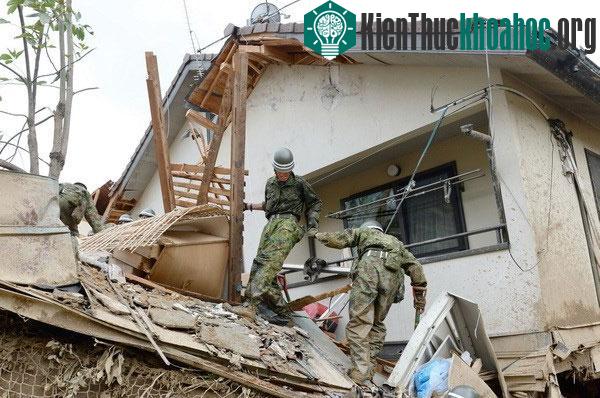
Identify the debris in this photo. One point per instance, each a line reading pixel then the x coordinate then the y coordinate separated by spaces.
pixel 232 337
pixel 110 303
pixel 302 302
pixel 172 319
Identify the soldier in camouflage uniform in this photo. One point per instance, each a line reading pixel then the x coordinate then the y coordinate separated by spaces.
pixel 377 283
pixel 76 203
pixel 287 198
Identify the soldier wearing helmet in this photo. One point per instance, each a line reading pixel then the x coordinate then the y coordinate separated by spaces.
pixel 75 203
pixel 147 213
pixel 377 283
pixel 124 219
pixel 287 198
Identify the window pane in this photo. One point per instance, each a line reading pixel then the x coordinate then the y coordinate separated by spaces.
pixel 428 216
pixel 381 212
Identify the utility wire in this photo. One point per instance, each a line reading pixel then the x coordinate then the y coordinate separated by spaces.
pixel 262 19
pixel 411 182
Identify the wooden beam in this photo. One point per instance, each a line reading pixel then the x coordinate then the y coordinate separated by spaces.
pixel 215 144
pixel 198 168
pixel 217 77
pixel 238 156
pixel 186 185
pixel 226 68
pixel 197 117
pixel 184 203
pixel 219 202
pixel 161 148
pixel 271 52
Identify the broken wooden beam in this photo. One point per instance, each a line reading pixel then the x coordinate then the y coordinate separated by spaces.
pixel 298 304
pixel 161 147
pixel 238 156
pixel 215 144
pixel 197 117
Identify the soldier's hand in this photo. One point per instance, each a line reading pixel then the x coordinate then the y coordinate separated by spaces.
pixel 247 206
pixel 419 293
pixel 312 232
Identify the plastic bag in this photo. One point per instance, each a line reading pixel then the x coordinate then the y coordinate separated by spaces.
pixel 432 377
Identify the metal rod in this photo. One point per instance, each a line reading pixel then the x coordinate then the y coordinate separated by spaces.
pixel 425 242
pixel 401 192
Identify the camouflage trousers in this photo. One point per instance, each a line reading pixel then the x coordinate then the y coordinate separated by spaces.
pixel 277 240
pixel 70 215
pixel 374 288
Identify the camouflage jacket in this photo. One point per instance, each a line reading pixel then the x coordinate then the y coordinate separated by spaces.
pixel 75 204
pixel 291 197
pixel 365 239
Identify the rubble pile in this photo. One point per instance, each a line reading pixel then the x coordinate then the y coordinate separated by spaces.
pixel 40 361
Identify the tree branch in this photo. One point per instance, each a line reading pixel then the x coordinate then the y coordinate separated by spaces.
pixel 13 71
pixel 24 129
pixel 74 62
pixel 85 89
pixel 13 114
pixel 23 149
pixel 10 166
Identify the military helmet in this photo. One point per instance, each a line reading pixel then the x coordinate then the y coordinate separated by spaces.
pixel 372 224
pixel 147 213
pixel 125 218
pixel 283 160
pixel 81 184
pixel 463 392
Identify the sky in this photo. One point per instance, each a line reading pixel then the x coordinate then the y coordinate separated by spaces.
pixel 108 122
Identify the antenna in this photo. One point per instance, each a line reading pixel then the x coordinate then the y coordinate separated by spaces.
pixel 264 12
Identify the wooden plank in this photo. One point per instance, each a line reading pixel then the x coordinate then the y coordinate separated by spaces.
pixel 226 68
pixel 160 140
pixel 198 177
pixel 183 203
pixel 238 147
pixel 277 54
pixel 109 207
pixel 215 144
pixel 183 194
pixel 302 302
pixel 217 77
pixel 186 185
pixel 197 117
pixel 218 201
pixel 197 168
pixel 220 191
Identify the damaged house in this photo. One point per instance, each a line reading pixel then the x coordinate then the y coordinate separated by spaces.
pixel 506 203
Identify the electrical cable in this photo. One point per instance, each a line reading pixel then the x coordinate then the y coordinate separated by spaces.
pixel 411 182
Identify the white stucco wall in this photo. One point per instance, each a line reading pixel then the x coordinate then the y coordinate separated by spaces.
pixel 325 115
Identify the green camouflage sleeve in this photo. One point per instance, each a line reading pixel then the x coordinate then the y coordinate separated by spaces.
pixel 91 215
pixel 313 206
pixel 338 240
pixel 413 268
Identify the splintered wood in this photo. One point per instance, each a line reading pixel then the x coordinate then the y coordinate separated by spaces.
pixel 143 232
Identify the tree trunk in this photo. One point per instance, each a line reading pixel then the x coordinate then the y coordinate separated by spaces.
pixel 56 159
pixel 34 163
pixel 62 126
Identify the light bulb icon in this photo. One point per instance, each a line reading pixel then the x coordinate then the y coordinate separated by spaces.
pixel 329 30
pixel 330 27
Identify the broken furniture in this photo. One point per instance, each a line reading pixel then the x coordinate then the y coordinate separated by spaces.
pixel 185 250
pixel 451 326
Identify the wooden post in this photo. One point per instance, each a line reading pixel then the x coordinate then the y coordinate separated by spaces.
pixel 215 144
pixel 161 148
pixel 238 146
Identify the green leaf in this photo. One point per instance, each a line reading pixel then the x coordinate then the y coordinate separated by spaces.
pixel 2 20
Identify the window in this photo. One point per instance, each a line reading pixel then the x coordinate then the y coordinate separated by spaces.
pixel 593 160
pixel 422 217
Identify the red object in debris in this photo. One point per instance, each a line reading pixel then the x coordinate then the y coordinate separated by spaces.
pixel 315 310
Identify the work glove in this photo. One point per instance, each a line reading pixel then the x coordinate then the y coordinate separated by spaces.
pixel 247 206
pixel 419 293
pixel 312 232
